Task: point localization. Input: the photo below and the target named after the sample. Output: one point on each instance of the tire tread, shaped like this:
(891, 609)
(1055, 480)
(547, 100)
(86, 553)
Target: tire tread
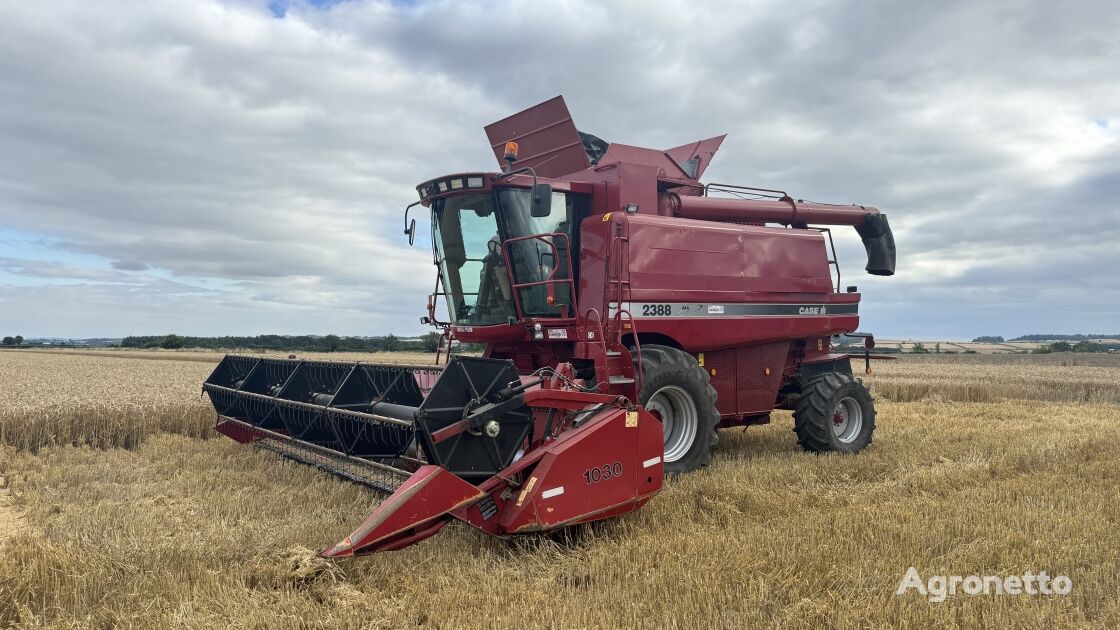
(812, 417)
(657, 359)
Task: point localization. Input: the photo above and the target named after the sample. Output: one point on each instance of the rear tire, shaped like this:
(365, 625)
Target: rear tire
(835, 413)
(679, 392)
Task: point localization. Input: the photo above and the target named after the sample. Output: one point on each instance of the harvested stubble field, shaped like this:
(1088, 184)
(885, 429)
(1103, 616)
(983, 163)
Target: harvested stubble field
(121, 516)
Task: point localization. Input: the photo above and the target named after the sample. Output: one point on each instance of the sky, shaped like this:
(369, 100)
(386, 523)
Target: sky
(241, 167)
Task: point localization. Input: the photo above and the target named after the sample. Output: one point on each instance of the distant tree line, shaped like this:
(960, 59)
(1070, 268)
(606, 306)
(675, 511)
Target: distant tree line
(1080, 346)
(307, 343)
(12, 341)
(988, 339)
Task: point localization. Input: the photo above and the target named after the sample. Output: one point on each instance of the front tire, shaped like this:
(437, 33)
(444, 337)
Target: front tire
(835, 413)
(679, 393)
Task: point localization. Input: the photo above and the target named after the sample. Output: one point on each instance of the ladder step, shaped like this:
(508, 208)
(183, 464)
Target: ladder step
(614, 353)
(620, 380)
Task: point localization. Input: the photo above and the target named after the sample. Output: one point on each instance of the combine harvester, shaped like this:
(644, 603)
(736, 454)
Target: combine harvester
(628, 312)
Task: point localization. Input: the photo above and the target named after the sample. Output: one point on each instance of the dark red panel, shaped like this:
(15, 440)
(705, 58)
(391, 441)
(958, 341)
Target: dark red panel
(608, 466)
(757, 389)
(546, 136)
(702, 151)
(663, 166)
(677, 259)
(722, 362)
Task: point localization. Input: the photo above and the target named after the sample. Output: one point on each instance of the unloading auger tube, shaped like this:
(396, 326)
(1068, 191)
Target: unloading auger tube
(871, 225)
(473, 441)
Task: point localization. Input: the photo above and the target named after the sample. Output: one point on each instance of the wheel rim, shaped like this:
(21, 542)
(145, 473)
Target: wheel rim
(679, 420)
(847, 420)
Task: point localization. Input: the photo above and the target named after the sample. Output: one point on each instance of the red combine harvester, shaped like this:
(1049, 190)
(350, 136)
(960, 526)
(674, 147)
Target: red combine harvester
(628, 312)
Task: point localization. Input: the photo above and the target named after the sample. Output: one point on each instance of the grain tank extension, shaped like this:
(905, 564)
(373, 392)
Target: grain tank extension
(628, 312)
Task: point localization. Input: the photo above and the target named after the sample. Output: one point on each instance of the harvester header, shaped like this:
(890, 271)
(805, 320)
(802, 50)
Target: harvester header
(628, 312)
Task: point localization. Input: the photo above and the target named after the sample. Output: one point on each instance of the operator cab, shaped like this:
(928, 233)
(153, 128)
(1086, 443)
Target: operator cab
(502, 258)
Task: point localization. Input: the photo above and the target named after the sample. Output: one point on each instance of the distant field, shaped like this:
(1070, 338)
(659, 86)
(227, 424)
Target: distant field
(1066, 378)
(119, 513)
(966, 346)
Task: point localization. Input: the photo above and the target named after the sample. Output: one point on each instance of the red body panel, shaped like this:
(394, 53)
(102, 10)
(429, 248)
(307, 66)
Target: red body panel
(611, 464)
(684, 259)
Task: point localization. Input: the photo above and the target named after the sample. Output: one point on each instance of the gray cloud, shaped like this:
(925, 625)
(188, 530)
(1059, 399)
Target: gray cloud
(270, 159)
(129, 265)
(55, 270)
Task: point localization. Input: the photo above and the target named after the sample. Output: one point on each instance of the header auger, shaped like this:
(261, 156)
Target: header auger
(628, 312)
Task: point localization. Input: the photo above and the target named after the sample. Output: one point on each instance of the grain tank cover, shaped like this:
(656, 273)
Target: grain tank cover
(547, 139)
(695, 157)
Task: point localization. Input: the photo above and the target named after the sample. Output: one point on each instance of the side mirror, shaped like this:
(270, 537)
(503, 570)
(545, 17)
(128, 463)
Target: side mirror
(411, 232)
(541, 204)
(410, 228)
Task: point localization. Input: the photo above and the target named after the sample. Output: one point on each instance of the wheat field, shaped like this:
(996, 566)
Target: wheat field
(117, 511)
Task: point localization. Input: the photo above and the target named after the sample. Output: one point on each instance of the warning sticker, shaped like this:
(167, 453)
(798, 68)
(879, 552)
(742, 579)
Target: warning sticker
(526, 490)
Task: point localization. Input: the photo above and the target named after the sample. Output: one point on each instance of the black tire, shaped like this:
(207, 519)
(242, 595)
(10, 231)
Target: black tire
(672, 370)
(825, 416)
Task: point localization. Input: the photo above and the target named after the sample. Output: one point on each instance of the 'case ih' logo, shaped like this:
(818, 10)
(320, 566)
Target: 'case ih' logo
(813, 310)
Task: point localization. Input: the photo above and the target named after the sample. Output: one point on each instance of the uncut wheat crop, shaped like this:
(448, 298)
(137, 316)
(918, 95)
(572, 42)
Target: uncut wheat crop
(991, 378)
(71, 400)
(116, 397)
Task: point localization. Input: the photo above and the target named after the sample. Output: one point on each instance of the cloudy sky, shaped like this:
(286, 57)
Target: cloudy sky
(241, 167)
